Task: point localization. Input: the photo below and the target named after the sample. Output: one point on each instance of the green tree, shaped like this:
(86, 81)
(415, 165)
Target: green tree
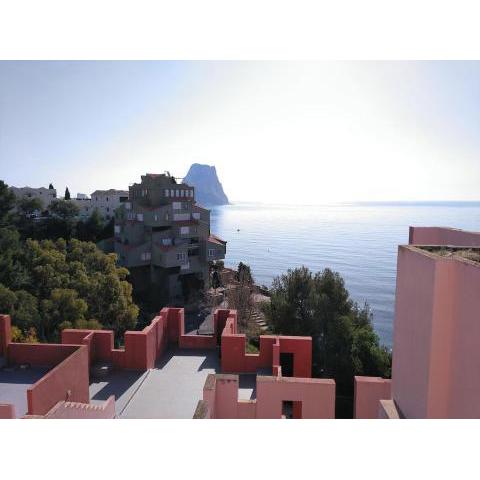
(50, 187)
(61, 223)
(48, 285)
(344, 341)
(7, 202)
(92, 229)
(62, 306)
(7, 300)
(244, 274)
(67, 194)
(26, 210)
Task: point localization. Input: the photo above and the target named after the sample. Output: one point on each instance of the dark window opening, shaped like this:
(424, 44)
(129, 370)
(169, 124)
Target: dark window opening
(286, 362)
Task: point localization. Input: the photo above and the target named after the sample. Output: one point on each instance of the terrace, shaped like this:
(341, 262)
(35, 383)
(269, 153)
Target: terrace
(14, 383)
(169, 390)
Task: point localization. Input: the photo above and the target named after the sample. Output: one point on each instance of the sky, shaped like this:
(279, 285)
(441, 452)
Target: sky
(277, 132)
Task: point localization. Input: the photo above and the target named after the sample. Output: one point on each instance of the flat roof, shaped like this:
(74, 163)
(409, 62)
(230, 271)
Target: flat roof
(14, 383)
(170, 390)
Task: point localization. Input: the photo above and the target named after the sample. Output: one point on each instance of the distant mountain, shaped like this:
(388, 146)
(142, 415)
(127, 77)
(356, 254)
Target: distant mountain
(208, 189)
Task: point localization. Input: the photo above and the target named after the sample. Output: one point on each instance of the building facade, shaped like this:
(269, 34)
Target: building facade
(163, 236)
(45, 195)
(107, 201)
(84, 204)
(436, 359)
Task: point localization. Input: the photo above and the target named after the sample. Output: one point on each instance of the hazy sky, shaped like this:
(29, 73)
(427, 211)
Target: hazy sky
(287, 132)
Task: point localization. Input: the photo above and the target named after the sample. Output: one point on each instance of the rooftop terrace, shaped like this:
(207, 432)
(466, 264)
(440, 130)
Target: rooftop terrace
(14, 383)
(170, 390)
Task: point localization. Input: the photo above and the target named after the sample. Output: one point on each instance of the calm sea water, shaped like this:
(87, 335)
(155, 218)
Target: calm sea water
(357, 240)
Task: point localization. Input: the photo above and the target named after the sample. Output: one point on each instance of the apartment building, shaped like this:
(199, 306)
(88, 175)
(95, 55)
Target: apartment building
(107, 201)
(162, 236)
(84, 204)
(45, 195)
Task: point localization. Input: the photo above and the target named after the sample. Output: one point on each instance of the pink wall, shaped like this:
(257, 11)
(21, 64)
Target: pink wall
(312, 397)
(236, 360)
(368, 393)
(464, 341)
(443, 236)
(317, 396)
(6, 411)
(436, 336)
(69, 380)
(412, 331)
(75, 410)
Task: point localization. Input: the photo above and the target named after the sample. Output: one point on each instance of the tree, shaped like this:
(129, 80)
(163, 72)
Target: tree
(67, 194)
(48, 285)
(63, 305)
(61, 223)
(7, 202)
(344, 341)
(240, 296)
(50, 187)
(244, 274)
(63, 209)
(92, 229)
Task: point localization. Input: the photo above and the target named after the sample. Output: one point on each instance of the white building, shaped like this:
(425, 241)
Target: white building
(107, 201)
(84, 204)
(45, 195)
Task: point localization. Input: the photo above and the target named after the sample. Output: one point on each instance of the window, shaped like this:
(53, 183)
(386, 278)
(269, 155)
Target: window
(107, 199)
(177, 205)
(184, 230)
(211, 252)
(181, 257)
(166, 241)
(140, 217)
(177, 193)
(196, 215)
(155, 217)
(146, 256)
(108, 209)
(128, 205)
(171, 193)
(182, 193)
(167, 192)
(117, 228)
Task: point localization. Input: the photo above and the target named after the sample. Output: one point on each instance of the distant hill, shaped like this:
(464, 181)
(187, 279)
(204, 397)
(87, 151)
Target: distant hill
(208, 189)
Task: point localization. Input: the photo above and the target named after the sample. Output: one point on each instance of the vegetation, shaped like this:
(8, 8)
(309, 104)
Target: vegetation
(344, 341)
(50, 280)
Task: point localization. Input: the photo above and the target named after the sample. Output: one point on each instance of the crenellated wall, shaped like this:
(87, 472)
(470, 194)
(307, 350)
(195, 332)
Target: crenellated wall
(313, 397)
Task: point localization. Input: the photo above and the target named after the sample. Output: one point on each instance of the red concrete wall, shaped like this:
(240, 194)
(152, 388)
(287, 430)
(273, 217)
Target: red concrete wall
(236, 360)
(443, 236)
(5, 334)
(315, 396)
(6, 411)
(301, 347)
(69, 380)
(368, 393)
(39, 354)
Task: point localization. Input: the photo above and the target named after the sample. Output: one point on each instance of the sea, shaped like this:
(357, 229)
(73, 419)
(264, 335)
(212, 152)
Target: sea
(358, 240)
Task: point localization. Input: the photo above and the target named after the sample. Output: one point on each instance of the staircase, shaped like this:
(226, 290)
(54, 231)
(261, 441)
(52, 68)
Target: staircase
(259, 318)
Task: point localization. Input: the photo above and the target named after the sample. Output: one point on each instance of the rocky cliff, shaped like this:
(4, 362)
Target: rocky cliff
(208, 189)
